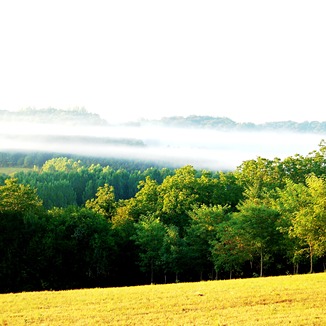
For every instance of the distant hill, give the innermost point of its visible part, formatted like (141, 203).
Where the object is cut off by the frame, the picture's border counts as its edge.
(81, 117)
(78, 117)
(226, 124)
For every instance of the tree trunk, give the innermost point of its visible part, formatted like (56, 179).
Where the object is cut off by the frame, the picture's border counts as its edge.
(230, 274)
(295, 268)
(261, 261)
(152, 272)
(311, 253)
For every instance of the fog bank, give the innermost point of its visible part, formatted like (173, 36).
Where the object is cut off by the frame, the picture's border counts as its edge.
(204, 149)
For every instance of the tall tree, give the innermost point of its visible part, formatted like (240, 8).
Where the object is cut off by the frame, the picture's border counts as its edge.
(261, 174)
(172, 252)
(261, 233)
(150, 233)
(104, 203)
(177, 195)
(146, 199)
(15, 197)
(229, 248)
(201, 232)
(304, 207)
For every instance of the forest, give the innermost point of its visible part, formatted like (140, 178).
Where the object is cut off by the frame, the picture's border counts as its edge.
(67, 223)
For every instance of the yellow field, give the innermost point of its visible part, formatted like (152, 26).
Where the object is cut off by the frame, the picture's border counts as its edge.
(295, 300)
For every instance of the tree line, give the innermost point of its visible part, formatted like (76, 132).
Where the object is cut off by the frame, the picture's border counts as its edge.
(81, 117)
(35, 160)
(227, 124)
(69, 225)
(75, 116)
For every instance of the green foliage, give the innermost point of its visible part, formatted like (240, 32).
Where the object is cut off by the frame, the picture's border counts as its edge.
(177, 195)
(261, 174)
(149, 236)
(172, 252)
(303, 207)
(61, 164)
(260, 232)
(104, 203)
(145, 201)
(15, 197)
(202, 230)
(229, 249)
(82, 246)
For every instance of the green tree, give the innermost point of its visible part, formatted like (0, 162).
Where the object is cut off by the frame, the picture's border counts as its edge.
(259, 223)
(57, 194)
(177, 195)
(261, 175)
(149, 237)
(123, 225)
(146, 199)
(172, 252)
(15, 197)
(61, 164)
(228, 249)
(289, 201)
(18, 204)
(201, 231)
(304, 207)
(12, 248)
(104, 203)
(227, 190)
(83, 248)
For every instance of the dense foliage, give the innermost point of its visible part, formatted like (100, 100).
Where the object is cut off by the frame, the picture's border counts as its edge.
(68, 224)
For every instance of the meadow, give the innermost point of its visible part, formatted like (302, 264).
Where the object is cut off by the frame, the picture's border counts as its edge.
(13, 170)
(282, 300)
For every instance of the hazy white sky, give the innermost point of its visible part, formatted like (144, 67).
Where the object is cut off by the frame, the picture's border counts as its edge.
(248, 60)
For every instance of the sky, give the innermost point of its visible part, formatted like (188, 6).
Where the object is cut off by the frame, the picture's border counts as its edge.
(249, 60)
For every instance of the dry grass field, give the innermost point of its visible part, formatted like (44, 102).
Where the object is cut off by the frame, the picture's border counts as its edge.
(295, 300)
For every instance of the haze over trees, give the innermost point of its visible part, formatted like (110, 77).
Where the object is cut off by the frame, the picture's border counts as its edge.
(212, 143)
(70, 224)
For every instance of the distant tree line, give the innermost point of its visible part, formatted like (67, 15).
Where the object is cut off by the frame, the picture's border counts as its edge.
(81, 117)
(37, 159)
(75, 116)
(71, 225)
(227, 124)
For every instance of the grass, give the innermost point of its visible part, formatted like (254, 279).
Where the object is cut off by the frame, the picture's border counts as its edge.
(12, 170)
(295, 300)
